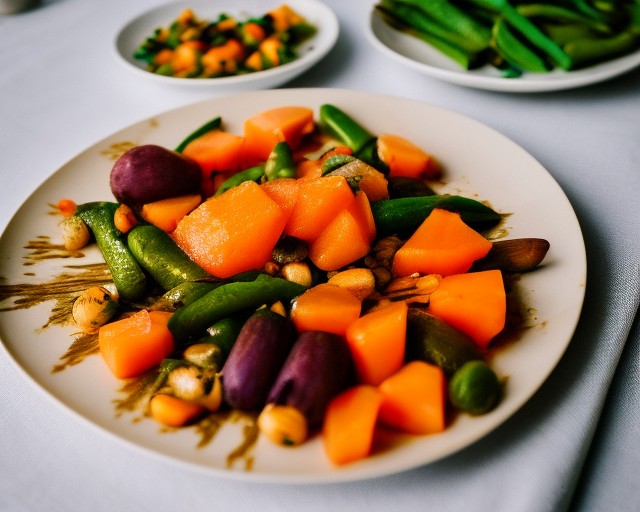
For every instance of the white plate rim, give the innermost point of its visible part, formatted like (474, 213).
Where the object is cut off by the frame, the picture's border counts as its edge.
(567, 240)
(132, 34)
(437, 66)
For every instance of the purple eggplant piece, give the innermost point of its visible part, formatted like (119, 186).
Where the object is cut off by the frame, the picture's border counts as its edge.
(256, 359)
(319, 366)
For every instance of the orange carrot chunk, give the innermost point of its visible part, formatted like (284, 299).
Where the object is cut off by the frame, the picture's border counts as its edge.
(216, 151)
(414, 399)
(347, 238)
(474, 303)
(284, 192)
(232, 232)
(135, 344)
(319, 201)
(325, 307)
(349, 424)
(377, 342)
(405, 159)
(172, 411)
(264, 130)
(443, 244)
(166, 213)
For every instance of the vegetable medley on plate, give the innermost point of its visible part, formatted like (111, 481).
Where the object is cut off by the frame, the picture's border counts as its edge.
(304, 272)
(191, 47)
(520, 35)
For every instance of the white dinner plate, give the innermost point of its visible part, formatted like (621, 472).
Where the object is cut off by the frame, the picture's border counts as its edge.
(425, 59)
(134, 33)
(483, 165)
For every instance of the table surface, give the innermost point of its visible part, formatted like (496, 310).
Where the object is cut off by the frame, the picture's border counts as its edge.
(573, 445)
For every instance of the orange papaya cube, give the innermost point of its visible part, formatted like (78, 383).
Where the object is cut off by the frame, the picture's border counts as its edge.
(216, 151)
(347, 238)
(166, 213)
(414, 399)
(474, 303)
(443, 244)
(264, 130)
(233, 232)
(350, 422)
(405, 159)
(135, 344)
(319, 201)
(325, 307)
(377, 342)
(284, 192)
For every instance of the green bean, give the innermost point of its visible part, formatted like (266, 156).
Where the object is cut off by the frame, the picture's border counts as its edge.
(127, 275)
(346, 129)
(529, 30)
(209, 126)
(404, 215)
(193, 320)
(252, 174)
(280, 163)
(444, 20)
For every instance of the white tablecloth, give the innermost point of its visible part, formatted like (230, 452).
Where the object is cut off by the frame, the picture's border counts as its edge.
(576, 442)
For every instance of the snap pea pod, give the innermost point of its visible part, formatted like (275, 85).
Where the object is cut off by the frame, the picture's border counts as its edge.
(251, 174)
(405, 214)
(159, 255)
(589, 50)
(209, 126)
(280, 163)
(418, 25)
(562, 15)
(346, 129)
(127, 275)
(514, 52)
(189, 291)
(529, 30)
(193, 320)
(444, 20)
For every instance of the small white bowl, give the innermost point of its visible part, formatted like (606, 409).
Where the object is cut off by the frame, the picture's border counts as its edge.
(134, 33)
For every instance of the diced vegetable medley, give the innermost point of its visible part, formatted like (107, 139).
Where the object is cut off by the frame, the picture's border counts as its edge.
(191, 47)
(303, 271)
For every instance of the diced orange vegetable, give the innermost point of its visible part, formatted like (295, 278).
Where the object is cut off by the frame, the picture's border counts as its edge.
(406, 159)
(136, 344)
(307, 168)
(284, 192)
(325, 307)
(350, 422)
(414, 399)
(443, 244)
(319, 201)
(269, 48)
(166, 213)
(232, 232)
(217, 58)
(475, 303)
(216, 151)
(173, 411)
(283, 17)
(347, 238)
(124, 219)
(254, 31)
(264, 130)
(185, 57)
(164, 56)
(377, 342)
(67, 207)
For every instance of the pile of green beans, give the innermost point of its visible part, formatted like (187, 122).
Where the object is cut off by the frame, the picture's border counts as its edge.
(520, 36)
